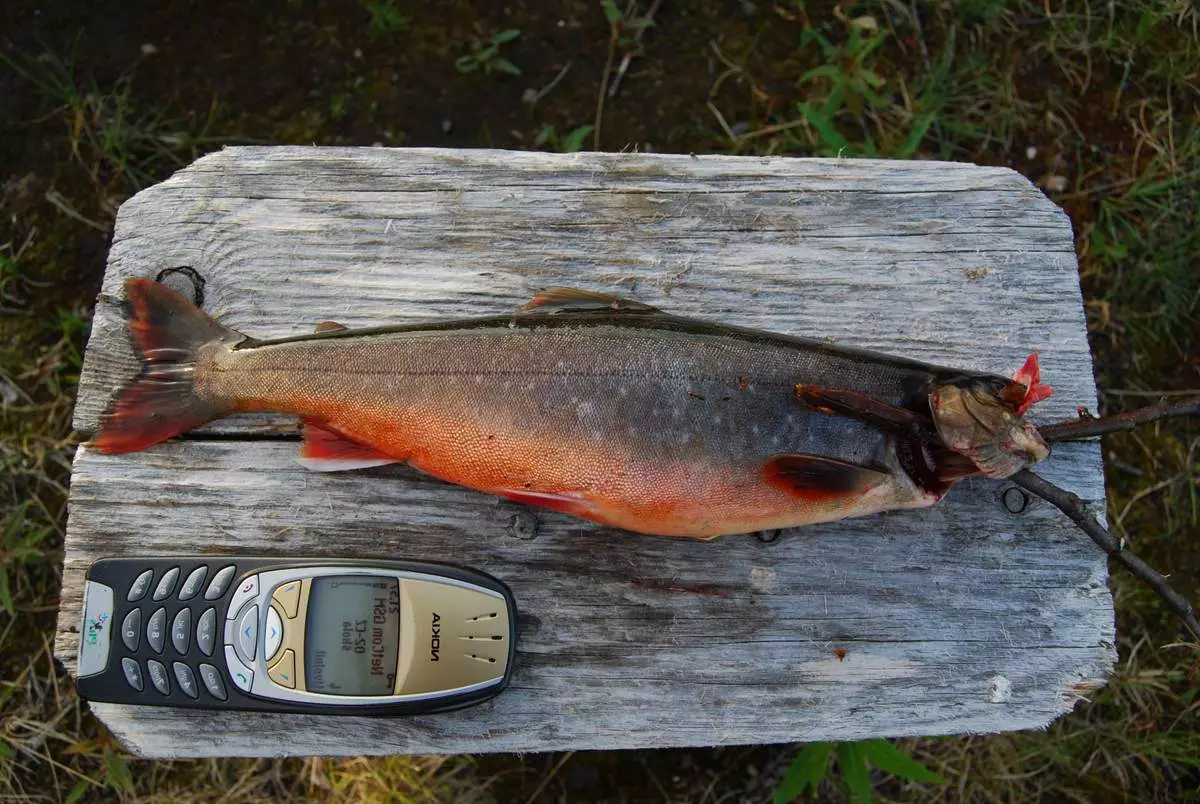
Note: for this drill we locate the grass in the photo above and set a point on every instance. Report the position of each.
(1097, 103)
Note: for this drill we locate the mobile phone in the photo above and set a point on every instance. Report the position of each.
(309, 635)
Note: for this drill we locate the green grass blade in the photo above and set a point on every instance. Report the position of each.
(574, 141)
(830, 138)
(882, 754)
(854, 771)
(807, 770)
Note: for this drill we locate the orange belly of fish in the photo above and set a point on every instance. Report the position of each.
(602, 482)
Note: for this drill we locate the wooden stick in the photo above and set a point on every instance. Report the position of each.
(1071, 505)
(1091, 427)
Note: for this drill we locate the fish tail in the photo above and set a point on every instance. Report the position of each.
(168, 332)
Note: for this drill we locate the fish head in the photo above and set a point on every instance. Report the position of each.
(982, 419)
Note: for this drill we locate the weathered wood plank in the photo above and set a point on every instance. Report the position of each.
(959, 618)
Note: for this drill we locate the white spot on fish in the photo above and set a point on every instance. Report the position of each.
(586, 408)
(716, 419)
(623, 391)
(507, 385)
(597, 436)
(479, 379)
(775, 440)
(633, 432)
(529, 387)
(685, 438)
(754, 429)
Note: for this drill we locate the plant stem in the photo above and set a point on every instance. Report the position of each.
(1071, 505)
(1089, 427)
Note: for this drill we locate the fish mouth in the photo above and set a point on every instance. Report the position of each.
(977, 423)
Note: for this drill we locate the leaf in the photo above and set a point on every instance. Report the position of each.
(547, 134)
(574, 141)
(871, 77)
(77, 792)
(915, 136)
(824, 71)
(854, 771)
(116, 772)
(466, 64)
(807, 770)
(6, 750)
(505, 66)
(830, 137)
(506, 36)
(611, 12)
(882, 754)
(6, 601)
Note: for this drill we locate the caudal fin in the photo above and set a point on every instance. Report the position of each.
(167, 332)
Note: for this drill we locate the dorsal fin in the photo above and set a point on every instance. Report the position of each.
(329, 326)
(571, 300)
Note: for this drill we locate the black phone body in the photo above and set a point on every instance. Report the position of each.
(318, 635)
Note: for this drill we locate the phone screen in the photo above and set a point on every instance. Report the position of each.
(352, 639)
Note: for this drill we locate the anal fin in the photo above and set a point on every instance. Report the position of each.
(326, 450)
(567, 503)
(817, 478)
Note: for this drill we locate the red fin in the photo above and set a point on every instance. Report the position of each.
(571, 300)
(166, 331)
(856, 405)
(567, 503)
(816, 478)
(1030, 375)
(329, 326)
(324, 450)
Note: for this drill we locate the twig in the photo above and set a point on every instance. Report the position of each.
(1122, 422)
(58, 200)
(612, 47)
(1071, 505)
(637, 37)
(531, 97)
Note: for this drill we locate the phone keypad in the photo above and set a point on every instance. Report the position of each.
(220, 583)
(206, 632)
(133, 673)
(211, 677)
(166, 584)
(141, 584)
(186, 679)
(158, 676)
(181, 630)
(191, 586)
(192, 629)
(131, 629)
(156, 630)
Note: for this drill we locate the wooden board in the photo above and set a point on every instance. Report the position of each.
(960, 618)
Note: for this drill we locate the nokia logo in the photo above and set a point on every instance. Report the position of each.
(435, 643)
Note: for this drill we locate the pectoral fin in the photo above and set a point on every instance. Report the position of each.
(329, 326)
(819, 479)
(325, 450)
(856, 405)
(554, 301)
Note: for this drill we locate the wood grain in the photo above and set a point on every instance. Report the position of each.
(962, 618)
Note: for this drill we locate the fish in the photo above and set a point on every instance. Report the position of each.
(594, 405)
